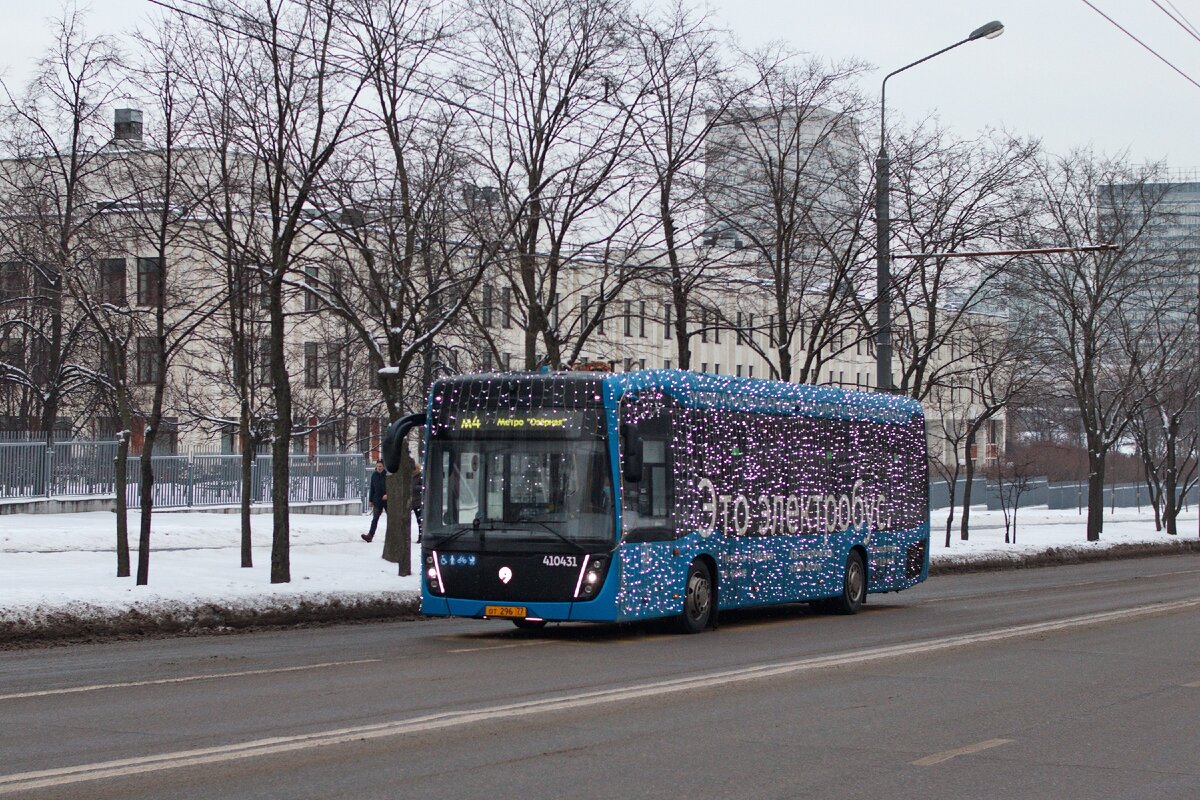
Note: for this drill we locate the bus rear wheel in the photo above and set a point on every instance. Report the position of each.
(854, 586)
(697, 599)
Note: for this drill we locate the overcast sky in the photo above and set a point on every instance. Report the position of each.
(1060, 72)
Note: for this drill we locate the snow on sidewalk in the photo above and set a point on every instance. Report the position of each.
(66, 564)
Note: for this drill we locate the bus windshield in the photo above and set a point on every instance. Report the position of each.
(519, 494)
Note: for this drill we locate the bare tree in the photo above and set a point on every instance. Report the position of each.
(156, 174)
(292, 103)
(689, 89)
(956, 195)
(1014, 477)
(52, 186)
(783, 175)
(1075, 301)
(554, 99)
(1160, 343)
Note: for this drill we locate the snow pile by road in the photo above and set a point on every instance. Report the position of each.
(59, 569)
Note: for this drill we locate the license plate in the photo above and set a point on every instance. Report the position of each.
(505, 611)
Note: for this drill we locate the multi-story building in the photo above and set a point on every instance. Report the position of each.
(118, 274)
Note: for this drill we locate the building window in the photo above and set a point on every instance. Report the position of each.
(704, 366)
(147, 360)
(112, 281)
(333, 363)
(716, 369)
(642, 319)
(264, 361)
(739, 370)
(704, 325)
(149, 286)
(506, 306)
(666, 321)
(12, 353)
(628, 364)
(11, 285)
(641, 363)
(507, 362)
(666, 363)
(740, 334)
(312, 377)
(312, 300)
(750, 371)
(487, 305)
(628, 319)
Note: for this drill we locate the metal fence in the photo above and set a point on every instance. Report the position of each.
(30, 470)
(1040, 492)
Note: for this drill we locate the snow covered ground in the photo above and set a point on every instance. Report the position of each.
(56, 564)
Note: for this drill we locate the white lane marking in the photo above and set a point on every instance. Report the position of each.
(27, 781)
(499, 647)
(946, 755)
(184, 679)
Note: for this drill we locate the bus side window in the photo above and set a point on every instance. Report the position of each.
(649, 503)
(653, 500)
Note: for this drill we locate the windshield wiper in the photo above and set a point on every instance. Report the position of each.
(452, 536)
(556, 534)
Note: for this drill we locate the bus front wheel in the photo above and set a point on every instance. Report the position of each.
(854, 586)
(697, 599)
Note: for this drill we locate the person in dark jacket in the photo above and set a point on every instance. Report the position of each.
(377, 497)
(418, 494)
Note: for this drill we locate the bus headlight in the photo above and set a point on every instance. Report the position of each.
(433, 575)
(591, 576)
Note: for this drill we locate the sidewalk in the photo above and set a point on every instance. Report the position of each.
(57, 570)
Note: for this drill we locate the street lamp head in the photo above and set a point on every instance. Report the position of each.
(988, 31)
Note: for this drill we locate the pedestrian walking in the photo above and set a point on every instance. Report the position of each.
(377, 497)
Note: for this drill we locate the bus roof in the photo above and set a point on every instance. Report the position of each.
(702, 390)
(693, 389)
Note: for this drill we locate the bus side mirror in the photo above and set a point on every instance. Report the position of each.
(393, 441)
(631, 450)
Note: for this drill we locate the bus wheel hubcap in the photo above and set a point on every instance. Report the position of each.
(854, 581)
(698, 596)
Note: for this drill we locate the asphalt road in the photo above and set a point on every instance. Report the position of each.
(1069, 682)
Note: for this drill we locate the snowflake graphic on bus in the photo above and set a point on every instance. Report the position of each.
(666, 493)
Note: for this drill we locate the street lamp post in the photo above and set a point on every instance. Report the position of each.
(883, 220)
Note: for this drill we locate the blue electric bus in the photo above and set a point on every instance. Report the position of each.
(613, 497)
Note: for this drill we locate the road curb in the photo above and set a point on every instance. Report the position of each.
(64, 627)
(1060, 556)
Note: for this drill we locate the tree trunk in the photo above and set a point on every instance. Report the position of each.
(1095, 519)
(1171, 484)
(121, 473)
(146, 470)
(397, 539)
(247, 485)
(281, 560)
(968, 482)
